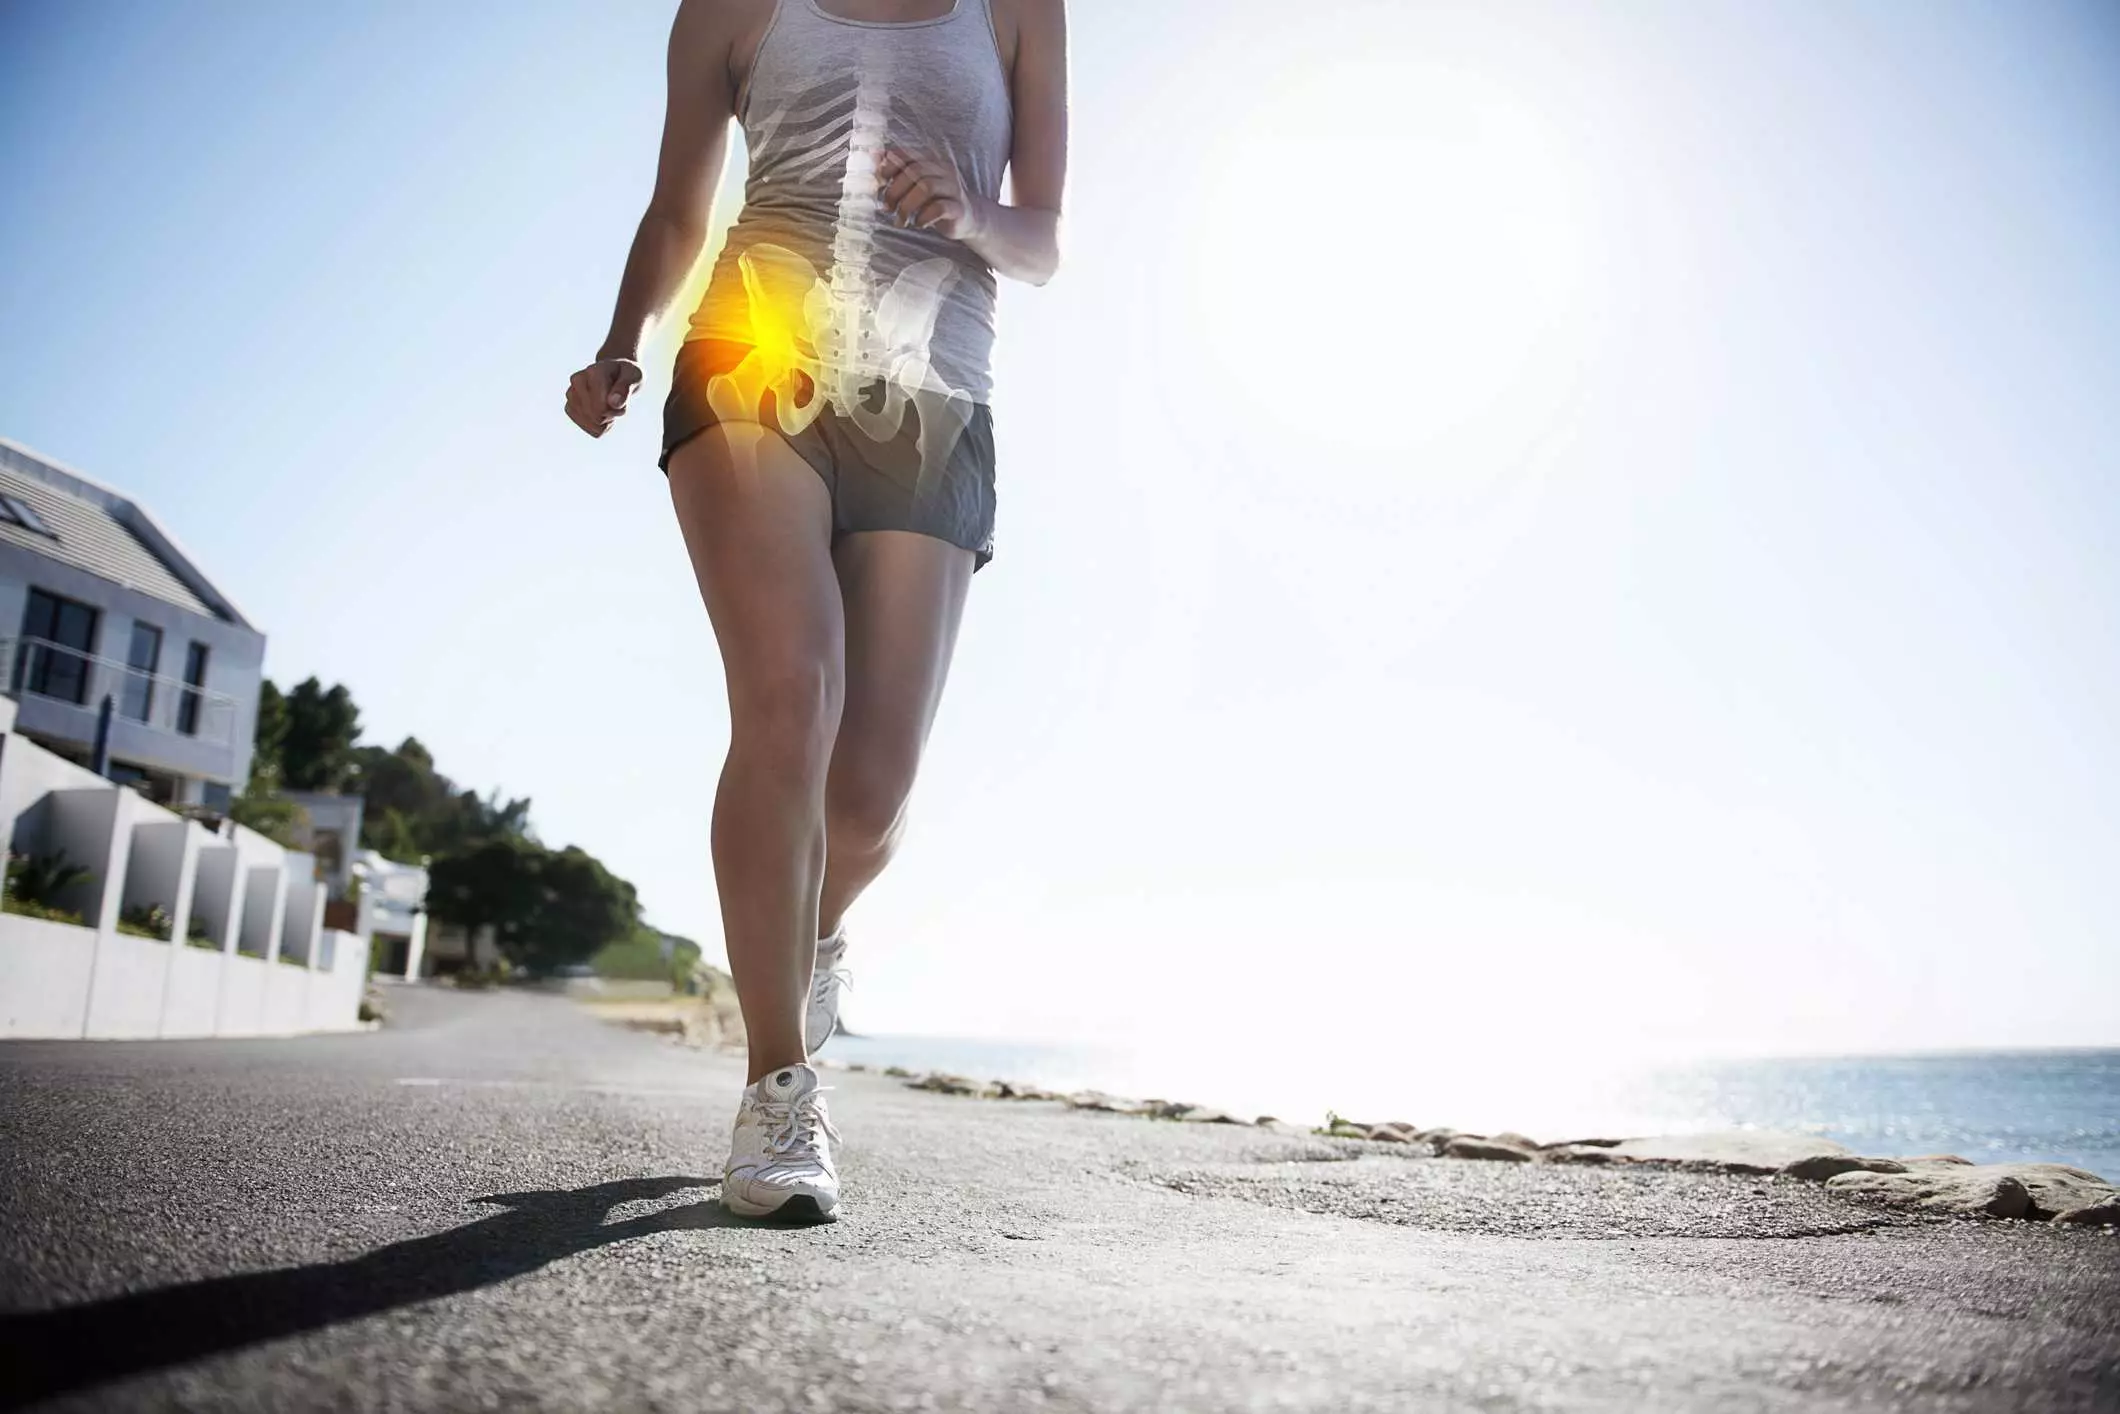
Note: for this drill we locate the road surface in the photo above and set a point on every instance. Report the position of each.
(498, 1202)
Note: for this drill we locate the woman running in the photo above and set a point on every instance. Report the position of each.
(830, 452)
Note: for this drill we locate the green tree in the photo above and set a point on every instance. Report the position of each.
(547, 908)
(414, 810)
(496, 885)
(269, 741)
(322, 726)
(582, 909)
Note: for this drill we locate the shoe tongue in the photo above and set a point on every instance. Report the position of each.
(788, 1082)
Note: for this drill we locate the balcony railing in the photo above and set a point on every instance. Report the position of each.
(37, 667)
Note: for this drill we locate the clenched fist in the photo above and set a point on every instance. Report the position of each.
(596, 396)
(922, 193)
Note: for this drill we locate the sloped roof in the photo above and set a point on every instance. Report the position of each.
(103, 532)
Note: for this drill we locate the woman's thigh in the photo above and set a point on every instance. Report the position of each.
(757, 523)
(904, 595)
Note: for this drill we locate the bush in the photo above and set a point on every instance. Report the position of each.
(29, 908)
(639, 958)
(196, 935)
(39, 879)
(146, 921)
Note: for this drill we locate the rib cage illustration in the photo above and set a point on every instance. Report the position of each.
(847, 330)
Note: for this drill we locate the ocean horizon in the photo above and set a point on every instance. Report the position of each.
(1988, 1106)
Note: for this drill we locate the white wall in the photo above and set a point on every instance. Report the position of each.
(63, 980)
(217, 892)
(126, 993)
(47, 967)
(192, 999)
(264, 909)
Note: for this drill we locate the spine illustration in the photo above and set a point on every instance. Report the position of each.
(849, 329)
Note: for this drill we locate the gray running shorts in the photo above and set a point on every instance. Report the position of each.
(874, 486)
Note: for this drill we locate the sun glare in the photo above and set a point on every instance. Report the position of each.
(1398, 237)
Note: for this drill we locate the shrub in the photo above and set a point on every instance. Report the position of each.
(31, 909)
(40, 878)
(196, 935)
(146, 921)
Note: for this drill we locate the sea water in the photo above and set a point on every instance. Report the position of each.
(2052, 1106)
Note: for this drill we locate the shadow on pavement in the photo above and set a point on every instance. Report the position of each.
(45, 1353)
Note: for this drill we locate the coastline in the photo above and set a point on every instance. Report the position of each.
(1084, 1078)
(1944, 1185)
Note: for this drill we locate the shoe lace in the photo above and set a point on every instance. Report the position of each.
(796, 1126)
(830, 976)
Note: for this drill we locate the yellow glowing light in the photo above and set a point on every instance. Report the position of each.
(783, 293)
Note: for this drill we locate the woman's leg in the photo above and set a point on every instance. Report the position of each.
(757, 521)
(904, 595)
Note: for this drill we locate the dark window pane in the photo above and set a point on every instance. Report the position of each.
(59, 635)
(146, 652)
(137, 701)
(188, 701)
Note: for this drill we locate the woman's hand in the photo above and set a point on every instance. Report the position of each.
(596, 396)
(927, 195)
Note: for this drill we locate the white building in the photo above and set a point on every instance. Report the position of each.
(97, 601)
(392, 912)
(166, 928)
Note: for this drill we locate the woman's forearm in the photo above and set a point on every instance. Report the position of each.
(663, 251)
(1020, 242)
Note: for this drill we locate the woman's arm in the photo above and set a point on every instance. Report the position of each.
(1020, 239)
(695, 145)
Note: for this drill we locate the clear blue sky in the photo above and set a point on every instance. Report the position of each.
(1600, 516)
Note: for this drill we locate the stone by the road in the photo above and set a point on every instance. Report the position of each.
(1578, 1154)
(1110, 1104)
(2061, 1188)
(1464, 1147)
(2048, 1188)
(1760, 1151)
(945, 1084)
(1817, 1168)
(2106, 1213)
(2037, 1191)
(1203, 1114)
(1971, 1190)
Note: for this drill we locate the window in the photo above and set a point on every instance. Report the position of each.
(141, 659)
(17, 511)
(58, 637)
(194, 679)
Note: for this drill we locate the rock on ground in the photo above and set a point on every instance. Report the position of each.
(1994, 1190)
(1974, 1191)
(1760, 1151)
(1467, 1148)
(1817, 1168)
(2107, 1213)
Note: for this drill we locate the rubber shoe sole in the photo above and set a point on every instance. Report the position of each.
(802, 1210)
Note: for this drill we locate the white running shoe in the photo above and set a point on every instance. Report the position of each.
(780, 1158)
(827, 981)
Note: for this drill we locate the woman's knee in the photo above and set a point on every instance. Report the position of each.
(787, 714)
(866, 797)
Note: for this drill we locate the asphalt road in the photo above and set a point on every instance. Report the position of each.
(499, 1203)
